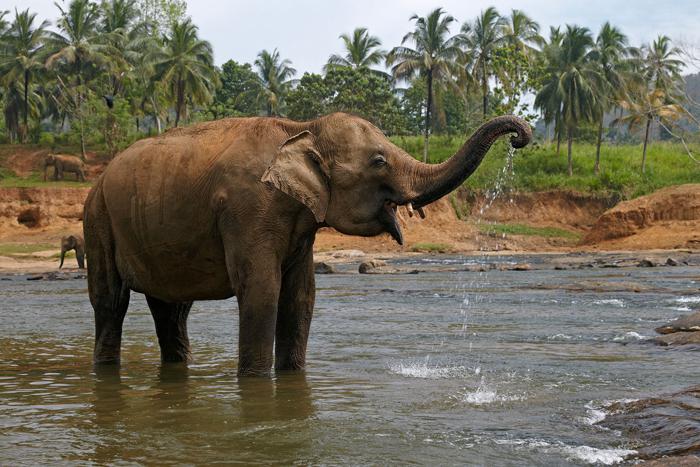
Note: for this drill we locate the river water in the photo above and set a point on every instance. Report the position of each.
(437, 368)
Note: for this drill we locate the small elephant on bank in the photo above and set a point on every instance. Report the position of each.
(73, 242)
(63, 163)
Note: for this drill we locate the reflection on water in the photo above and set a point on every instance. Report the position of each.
(435, 368)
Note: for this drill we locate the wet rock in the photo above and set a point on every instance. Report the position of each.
(687, 323)
(673, 461)
(646, 263)
(521, 267)
(324, 268)
(671, 262)
(49, 276)
(346, 254)
(371, 266)
(679, 338)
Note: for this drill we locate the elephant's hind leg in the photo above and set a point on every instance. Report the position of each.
(171, 327)
(109, 295)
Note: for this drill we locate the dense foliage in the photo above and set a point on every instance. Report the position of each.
(102, 75)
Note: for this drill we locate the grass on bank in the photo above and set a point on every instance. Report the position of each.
(36, 180)
(539, 168)
(521, 229)
(428, 247)
(23, 249)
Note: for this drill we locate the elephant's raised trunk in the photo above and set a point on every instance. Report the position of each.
(430, 182)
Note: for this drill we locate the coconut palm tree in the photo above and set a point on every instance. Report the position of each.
(186, 66)
(662, 65)
(549, 97)
(276, 77)
(644, 108)
(361, 51)
(23, 55)
(433, 56)
(609, 55)
(521, 32)
(570, 88)
(480, 40)
(75, 49)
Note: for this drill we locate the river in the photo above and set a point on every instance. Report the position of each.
(436, 368)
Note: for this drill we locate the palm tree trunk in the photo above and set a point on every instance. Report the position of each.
(26, 104)
(557, 130)
(155, 114)
(646, 140)
(179, 103)
(429, 104)
(570, 141)
(596, 168)
(484, 90)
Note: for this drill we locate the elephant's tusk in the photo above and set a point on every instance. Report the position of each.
(421, 213)
(409, 208)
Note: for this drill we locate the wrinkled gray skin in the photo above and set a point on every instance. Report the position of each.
(63, 164)
(232, 208)
(73, 242)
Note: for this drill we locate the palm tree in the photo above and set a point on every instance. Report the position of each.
(654, 97)
(433, 57)
(572, 83)
(75, 47)
(480, 40)
(23, 55)
(549, 98)
(609, 55)
(276, 78)
(521, 32)
(361, 51)
(186, 66)
(644, 108)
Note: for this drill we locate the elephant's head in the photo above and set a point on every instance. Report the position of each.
(353, 178)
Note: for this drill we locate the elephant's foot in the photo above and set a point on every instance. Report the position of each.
(175, 354)
(290, 360)
(107, 350)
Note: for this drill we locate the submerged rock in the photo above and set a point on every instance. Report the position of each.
(324, 268)
(671, 262)
(687, 323)
(646, 263)
(679, 338)
(371, 266)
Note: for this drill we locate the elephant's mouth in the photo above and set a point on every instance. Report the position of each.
(390, 219)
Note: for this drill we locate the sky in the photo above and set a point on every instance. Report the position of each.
(306, 31)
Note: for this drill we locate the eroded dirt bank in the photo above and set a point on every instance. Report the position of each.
(463, 222)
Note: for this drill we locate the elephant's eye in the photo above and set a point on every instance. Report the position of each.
(378, 161)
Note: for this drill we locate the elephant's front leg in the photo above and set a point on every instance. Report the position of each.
(294, 314)
(257, 295)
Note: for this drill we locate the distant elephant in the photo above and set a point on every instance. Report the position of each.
(62, 163)
(73, 242)
(232, 207)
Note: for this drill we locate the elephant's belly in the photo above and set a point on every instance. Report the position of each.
(177, 276)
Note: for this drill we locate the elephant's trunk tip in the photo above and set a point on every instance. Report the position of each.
(523, 133)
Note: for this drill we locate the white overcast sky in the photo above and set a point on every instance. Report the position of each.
(306, 31)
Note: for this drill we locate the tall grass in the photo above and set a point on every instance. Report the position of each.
(538, 168)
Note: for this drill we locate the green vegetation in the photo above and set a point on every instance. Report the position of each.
(539, 168)
(101, 75)
(427, 247)
(23, 249)
(520, 229)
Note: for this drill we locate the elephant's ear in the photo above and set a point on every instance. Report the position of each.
(302, 173)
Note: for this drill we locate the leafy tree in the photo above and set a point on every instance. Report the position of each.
(358, 91)
(276, 77)
(361, 51)
(433, 58)
(22, 57)
(161, 15)
(185, 66)
(238, 94)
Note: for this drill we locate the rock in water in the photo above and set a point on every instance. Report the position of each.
(679, 338)
(646, 263)
(323, 268)
(368, 267)
(687, 323)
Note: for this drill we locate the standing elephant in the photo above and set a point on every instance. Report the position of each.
(62, 163)
(73, 242)
(232, 208)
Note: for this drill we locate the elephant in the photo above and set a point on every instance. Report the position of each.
(63, 163)
(73, 242)
(231, 208)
